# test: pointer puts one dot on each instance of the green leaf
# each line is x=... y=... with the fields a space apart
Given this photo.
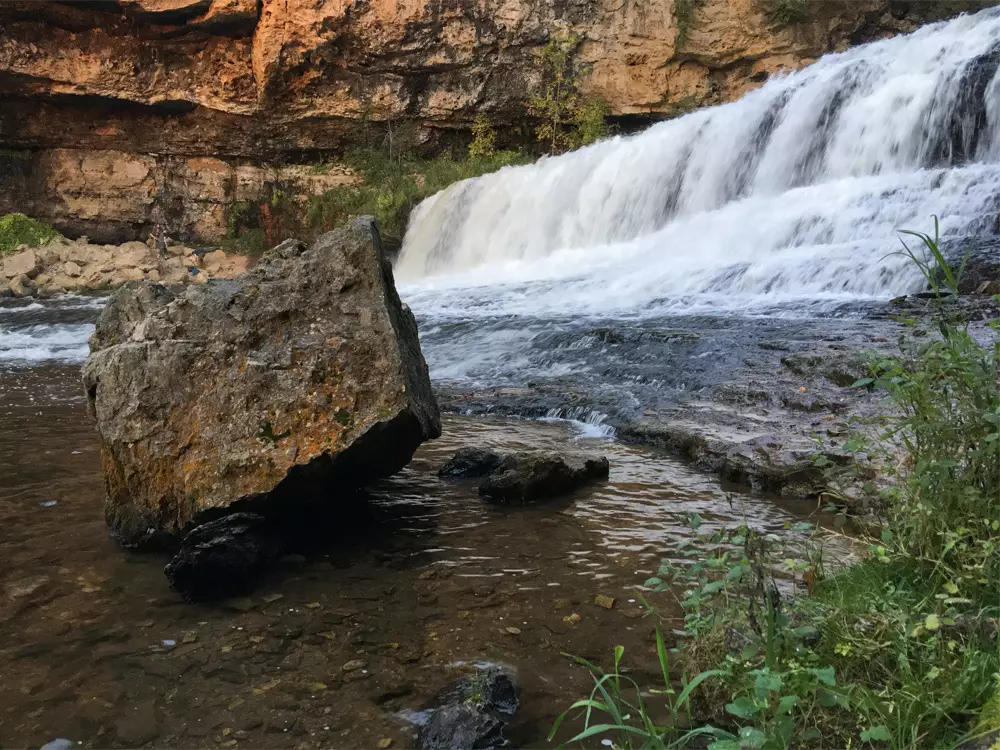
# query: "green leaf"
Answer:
x=931 y=622
x=805 y=631
x=863 y=382
x=766 y=683
x=744 y=708
x=879 y=733
x=713 y=588
x=787 y=703
x=752 y=737
x=951 y=588
x=826 y=675
x=829 y=699
x=749 y=652
x=725 y=745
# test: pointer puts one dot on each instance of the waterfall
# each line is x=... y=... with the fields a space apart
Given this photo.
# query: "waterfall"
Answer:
x=796 y=191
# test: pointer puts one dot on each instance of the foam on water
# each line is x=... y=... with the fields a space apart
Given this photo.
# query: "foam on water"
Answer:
x=64 y=343
x=55 y=330
x=791 y=197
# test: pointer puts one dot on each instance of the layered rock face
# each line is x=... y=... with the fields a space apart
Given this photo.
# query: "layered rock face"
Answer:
x=289 y=385
x=117 y=112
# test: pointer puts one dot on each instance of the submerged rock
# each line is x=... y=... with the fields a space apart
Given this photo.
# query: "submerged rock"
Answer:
x=471 y=463
x=473 y=711
x=526 y=477
x=284 y=387
x=222 y=558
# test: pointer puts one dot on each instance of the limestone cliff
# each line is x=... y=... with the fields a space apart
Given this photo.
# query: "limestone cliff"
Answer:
x=114 y=112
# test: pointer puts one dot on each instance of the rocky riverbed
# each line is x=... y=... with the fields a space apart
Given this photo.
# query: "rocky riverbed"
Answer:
x=351 y=636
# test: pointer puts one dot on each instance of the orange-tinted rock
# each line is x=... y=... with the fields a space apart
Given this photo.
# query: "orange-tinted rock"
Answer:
x=288 y=385
x=141 y=90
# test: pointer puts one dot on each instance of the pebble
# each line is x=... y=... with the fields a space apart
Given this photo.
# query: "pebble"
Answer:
x=354 y=664
x=513 y=630
x=572 y=619
x=605 y=602
x=384 y=743
x=271 y=598
x=49 y=503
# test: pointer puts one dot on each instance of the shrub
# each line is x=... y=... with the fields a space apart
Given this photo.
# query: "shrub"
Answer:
x=901 y=650
x=567 y=119
x=18 y=229
x=392 y=186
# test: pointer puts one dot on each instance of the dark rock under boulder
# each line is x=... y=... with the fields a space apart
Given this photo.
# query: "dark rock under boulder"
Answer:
x=526 y=477
x=473 y=711
x=222 y=558
x=471 y=463
x=283 y=387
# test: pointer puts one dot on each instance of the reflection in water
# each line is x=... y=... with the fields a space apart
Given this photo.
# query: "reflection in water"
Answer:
x=95 y=648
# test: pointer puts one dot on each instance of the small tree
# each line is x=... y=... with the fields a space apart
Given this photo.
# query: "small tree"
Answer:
x=484 y=138
x=589 y=125
x=555 y=100
x=567 y=119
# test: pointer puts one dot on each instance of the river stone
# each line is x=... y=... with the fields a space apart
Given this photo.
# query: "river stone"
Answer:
x=526 y=477
x=473 y=711
x=222 y=558
x=471 y=463
x=283 y=387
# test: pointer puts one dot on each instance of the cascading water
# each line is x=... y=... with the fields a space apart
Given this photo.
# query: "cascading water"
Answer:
x=796 y=191
x=773 y=218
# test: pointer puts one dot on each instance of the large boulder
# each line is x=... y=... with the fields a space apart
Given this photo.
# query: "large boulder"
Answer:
x=286 y=386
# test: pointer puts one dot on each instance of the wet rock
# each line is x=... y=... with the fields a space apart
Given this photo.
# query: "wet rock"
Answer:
x=138 y=724
x=222 y=558
x=981 y=256
x=284 y=388
x=527 y=477
x=473 y=711
x=471 y=463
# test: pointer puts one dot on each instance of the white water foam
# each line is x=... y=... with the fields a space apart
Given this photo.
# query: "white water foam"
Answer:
x=62 y=343
x=793 y=194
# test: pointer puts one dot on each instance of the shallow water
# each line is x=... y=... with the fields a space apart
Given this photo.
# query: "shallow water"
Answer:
x=95 y=648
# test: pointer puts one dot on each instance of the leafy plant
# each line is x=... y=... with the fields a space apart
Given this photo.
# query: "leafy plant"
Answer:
x=18 y=229
x=484 y=139
x=567 y=118
x=902 y=649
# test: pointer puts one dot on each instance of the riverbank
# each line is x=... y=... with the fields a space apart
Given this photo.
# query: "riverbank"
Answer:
x=61 y=266
x=426 y=579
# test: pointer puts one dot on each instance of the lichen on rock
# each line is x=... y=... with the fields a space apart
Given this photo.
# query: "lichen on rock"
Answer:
x=232 y=395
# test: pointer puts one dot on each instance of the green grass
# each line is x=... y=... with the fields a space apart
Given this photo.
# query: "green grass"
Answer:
x=18 y=229
x=898 y=651
x=392 y=187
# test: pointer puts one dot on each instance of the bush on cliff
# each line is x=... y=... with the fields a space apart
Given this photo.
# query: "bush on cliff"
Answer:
x=18 y=229
x=392 y=185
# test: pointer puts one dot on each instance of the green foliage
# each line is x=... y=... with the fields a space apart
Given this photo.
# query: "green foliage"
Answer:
x=392 y=184
x=18 y=229
x=787 y=12
x=900 y=650
x=484 y=139
x=566 y=118
x=684 y=13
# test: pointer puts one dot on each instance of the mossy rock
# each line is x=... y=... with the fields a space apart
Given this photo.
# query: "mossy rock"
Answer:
x=18 y=229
